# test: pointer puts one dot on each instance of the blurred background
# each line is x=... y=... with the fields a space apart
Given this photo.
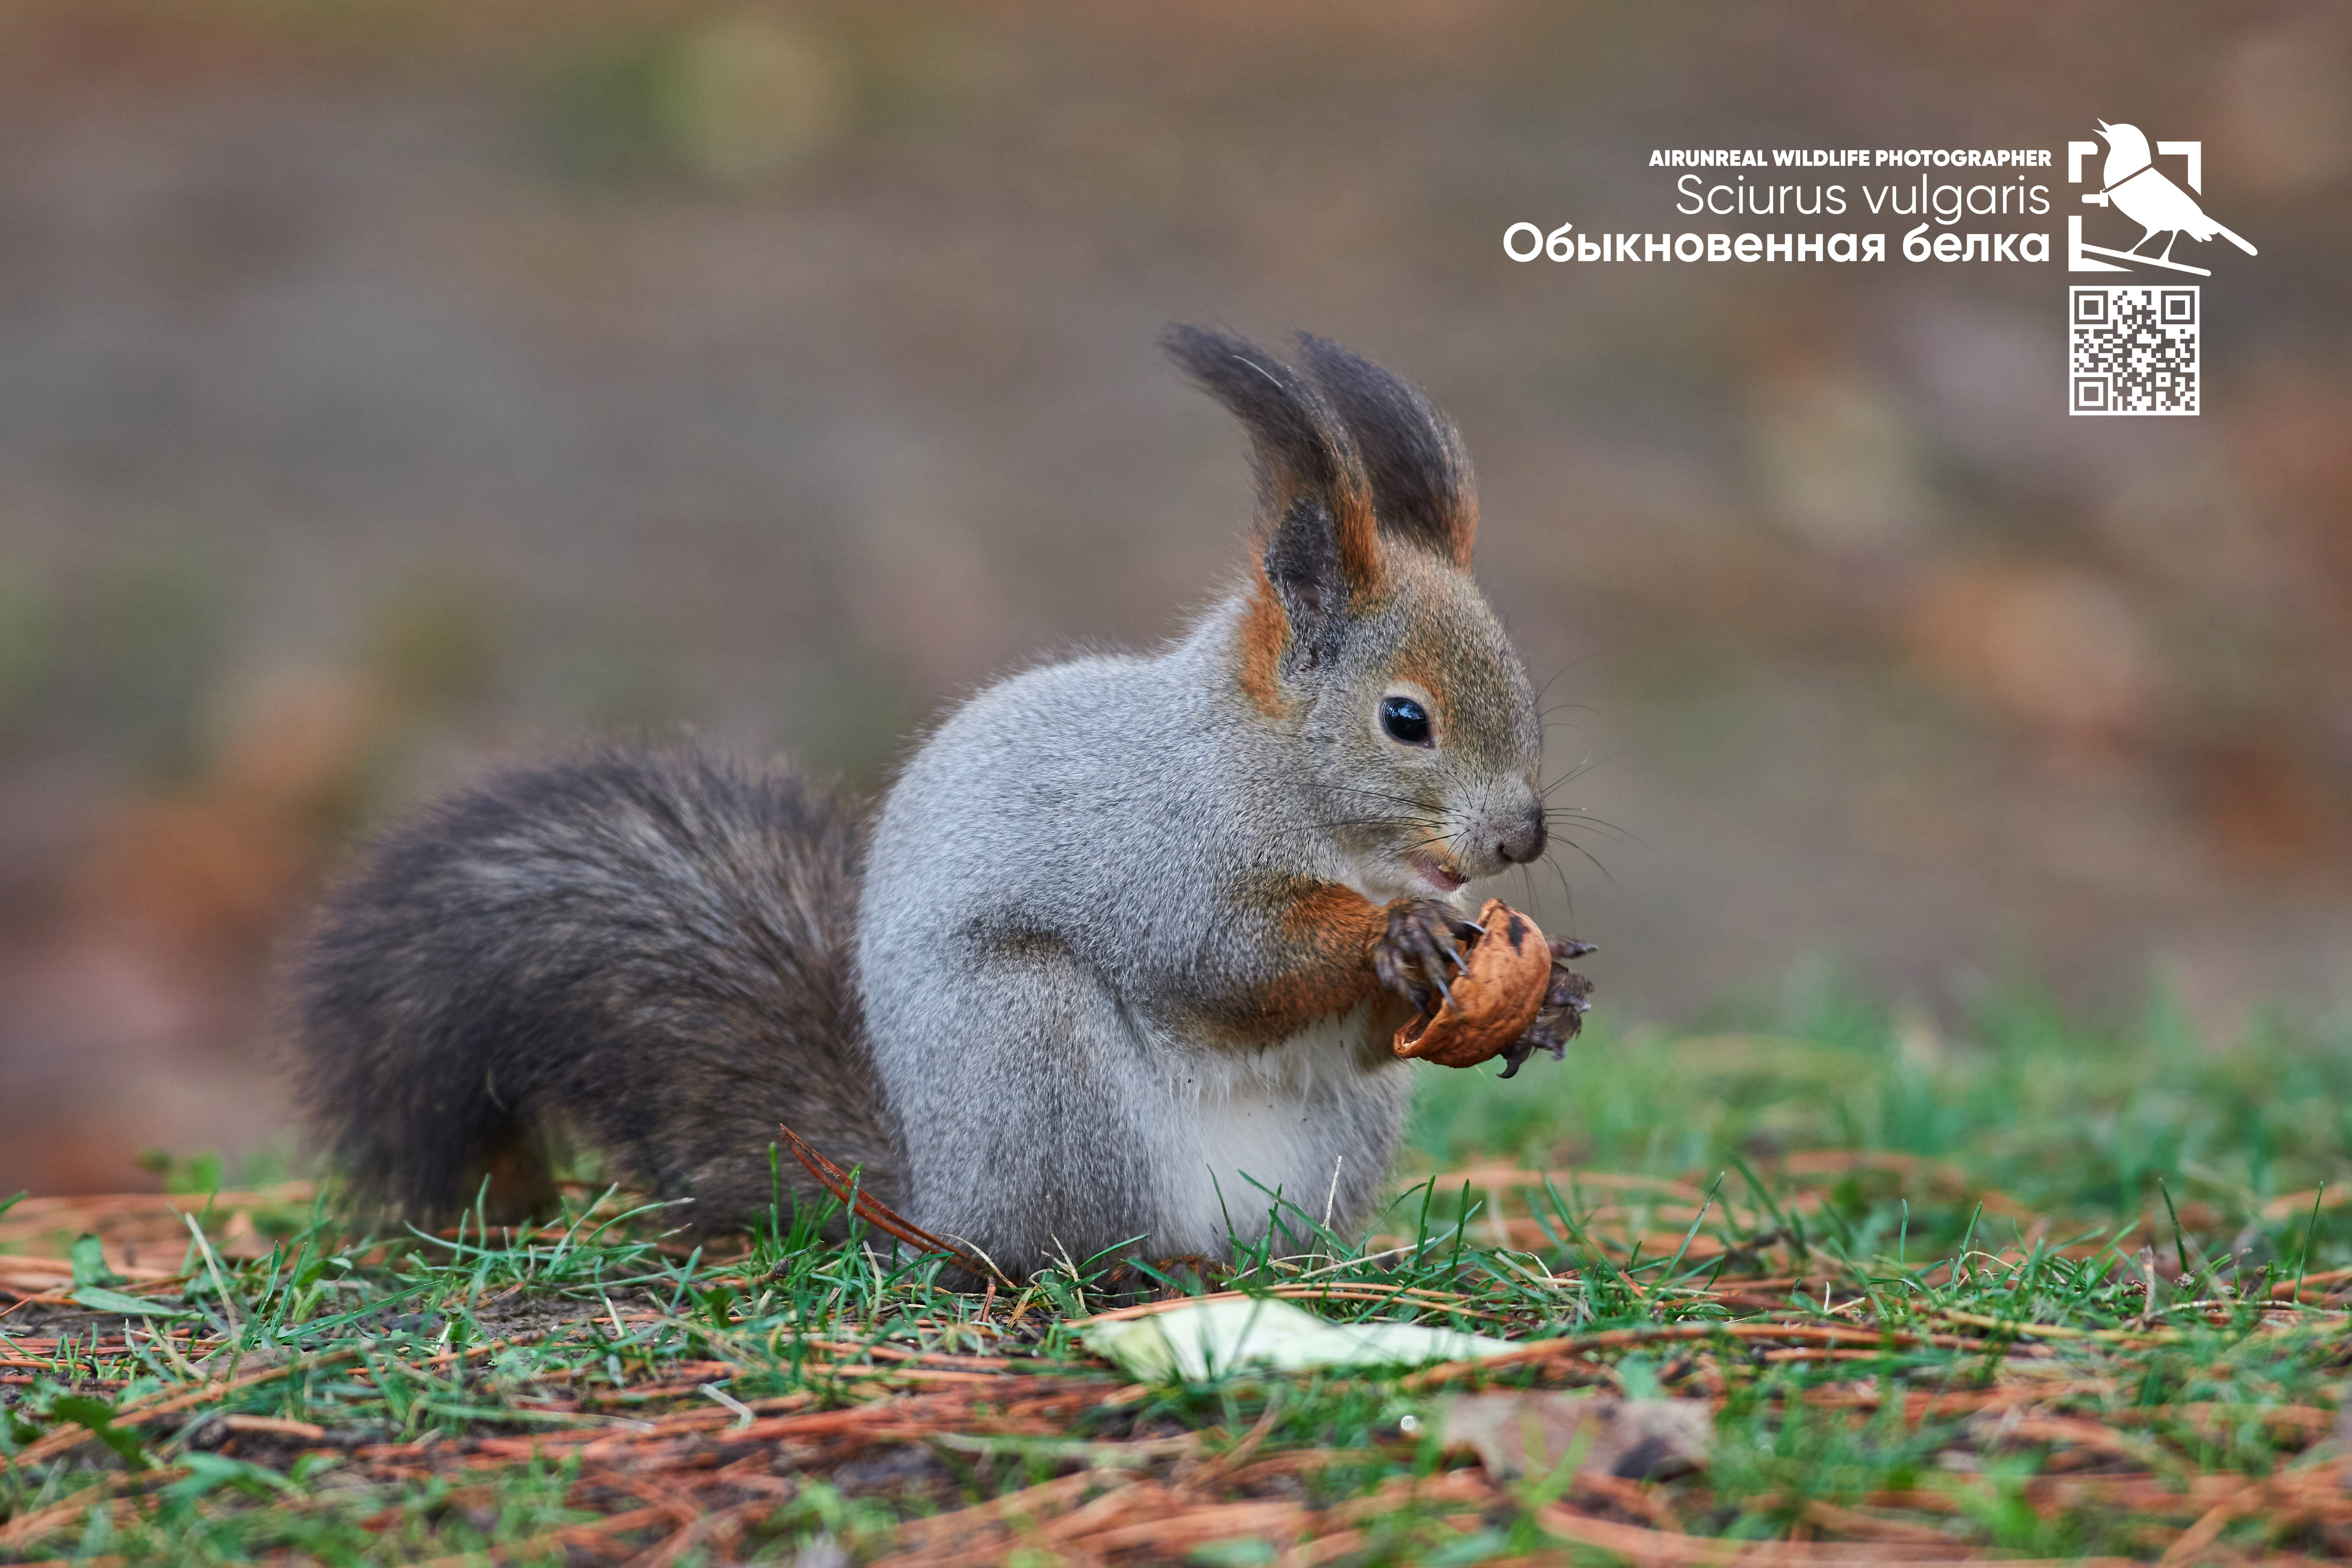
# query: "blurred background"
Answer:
x=388 y=387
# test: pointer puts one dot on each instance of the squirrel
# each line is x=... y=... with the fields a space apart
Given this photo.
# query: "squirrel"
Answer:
x=1111 y=971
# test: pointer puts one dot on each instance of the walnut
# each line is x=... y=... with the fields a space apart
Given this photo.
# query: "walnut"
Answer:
x=1497 y=993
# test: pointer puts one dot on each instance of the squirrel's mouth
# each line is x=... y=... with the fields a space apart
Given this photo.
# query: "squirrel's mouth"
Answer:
x=1438 y=870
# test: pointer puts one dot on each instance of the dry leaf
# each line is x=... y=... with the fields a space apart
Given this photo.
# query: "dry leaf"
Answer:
x=1522 y=1433
x=1208 y=1339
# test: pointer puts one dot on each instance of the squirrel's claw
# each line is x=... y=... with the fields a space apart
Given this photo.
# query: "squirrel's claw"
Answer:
x=1551 y=1031
x=1562 y=1017
x=1569 y=989
x=1411 y=956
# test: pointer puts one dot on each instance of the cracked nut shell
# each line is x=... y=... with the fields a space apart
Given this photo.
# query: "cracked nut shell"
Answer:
x=1499 y=989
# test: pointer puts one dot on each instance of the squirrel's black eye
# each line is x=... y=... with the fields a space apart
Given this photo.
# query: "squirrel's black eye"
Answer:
x=1406 y=720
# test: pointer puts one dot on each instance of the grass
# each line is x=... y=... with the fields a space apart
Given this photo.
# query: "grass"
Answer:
x=2025 y=1288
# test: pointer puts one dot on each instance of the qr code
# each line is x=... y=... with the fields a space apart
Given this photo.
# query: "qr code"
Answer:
x=2132 y=351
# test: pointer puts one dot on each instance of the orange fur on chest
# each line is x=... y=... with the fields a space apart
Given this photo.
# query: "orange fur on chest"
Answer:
x=1323 y=940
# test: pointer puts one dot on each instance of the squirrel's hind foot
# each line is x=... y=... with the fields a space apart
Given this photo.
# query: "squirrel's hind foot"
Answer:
x=1166 y=1279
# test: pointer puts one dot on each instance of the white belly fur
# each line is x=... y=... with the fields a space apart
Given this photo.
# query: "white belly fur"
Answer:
x=1244 y=1125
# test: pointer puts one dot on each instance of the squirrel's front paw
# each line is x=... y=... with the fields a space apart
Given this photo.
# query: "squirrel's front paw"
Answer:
x=1562 y=1014
x=1421 y=949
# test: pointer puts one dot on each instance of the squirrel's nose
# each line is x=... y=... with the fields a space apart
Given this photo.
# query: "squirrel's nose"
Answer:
x=1525 y=842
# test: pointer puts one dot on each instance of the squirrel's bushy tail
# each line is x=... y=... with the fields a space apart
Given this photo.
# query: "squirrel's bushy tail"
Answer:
x=648 y=952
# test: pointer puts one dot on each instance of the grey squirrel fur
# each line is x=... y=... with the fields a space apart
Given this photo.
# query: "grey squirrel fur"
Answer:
x=1117 y=958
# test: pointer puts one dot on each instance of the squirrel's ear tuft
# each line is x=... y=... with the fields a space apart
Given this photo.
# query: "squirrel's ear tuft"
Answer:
x=1318 y=544
x=1420 y=476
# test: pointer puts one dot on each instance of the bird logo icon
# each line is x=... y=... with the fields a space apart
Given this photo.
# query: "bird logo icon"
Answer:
x=2133 y=186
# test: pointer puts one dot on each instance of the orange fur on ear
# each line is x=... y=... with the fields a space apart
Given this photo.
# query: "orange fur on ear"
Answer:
x=1357 y=529
x=1266 y=632
x=1320 y=555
